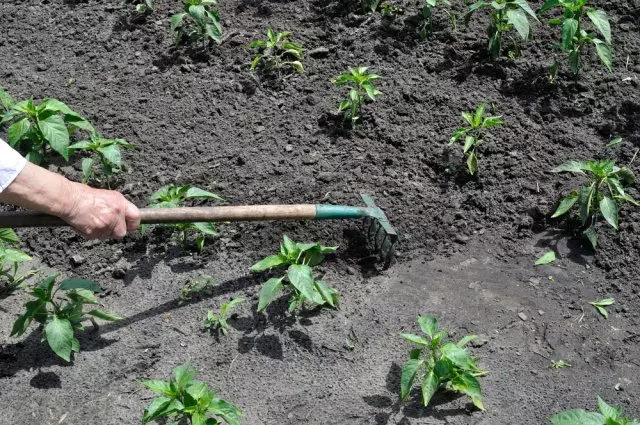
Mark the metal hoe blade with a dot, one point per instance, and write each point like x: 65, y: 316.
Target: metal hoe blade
x: 380, y: 234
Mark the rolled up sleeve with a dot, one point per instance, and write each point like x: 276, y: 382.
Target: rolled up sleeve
x: 11, y: 164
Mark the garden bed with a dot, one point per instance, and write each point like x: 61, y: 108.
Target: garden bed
x: 467, y: 245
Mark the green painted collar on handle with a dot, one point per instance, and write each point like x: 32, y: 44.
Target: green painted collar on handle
x: 338, y: 212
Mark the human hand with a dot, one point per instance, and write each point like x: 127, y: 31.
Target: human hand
x: 100, y: 214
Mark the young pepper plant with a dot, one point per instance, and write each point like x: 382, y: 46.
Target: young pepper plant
x: 197, y: 21
x: 38, y: 127
x: 505, y: 15
x: 426, y: 13
x: 276, y: 53
x: 475, y: 134
x: 11, y: 258
x: 144, y: 6
x: 440, y: 364
x: 360, y: 83
x: 186, y: 400
x: 109, y: 155
x: 173, y: 196
x: 218, y: 322
x: 574, y: 34
x: 299, y: 258
x: 60, y: 318
x: 600, y: 196
x: 608, y: 415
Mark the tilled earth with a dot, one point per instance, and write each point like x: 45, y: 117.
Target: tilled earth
x: 467, y: 245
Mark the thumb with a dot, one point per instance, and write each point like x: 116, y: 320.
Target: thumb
x: 132, y: 216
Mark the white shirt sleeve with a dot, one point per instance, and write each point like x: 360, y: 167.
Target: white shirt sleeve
x: 11, y: 164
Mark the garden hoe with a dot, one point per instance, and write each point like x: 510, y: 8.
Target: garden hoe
x: 381, y: 236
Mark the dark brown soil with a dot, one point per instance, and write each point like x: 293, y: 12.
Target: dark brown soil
x: 467, y: 245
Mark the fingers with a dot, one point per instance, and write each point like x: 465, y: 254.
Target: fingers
x: 132, y: 217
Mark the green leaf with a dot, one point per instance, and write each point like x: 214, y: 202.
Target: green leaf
x: 614, y: 142
x: 77, y: 283
x: 609, y: 210
x: 415, y: 339
x: 472, y: 163
x: 161, y: 407
x: 197, y: 193
x: 604, y: 53
x: 428, y: 325
x: 548, y: 5
x: 59, y: 336
x: 572, y: 167
x: 577, y: 417
x: 17, y: 130
x: 103, y: 315
x: 407, y: 377
x: 9, y: 236
x: 325, y: 292
x: 227, y: 411
x: 584, y: 201
x: 111, y: 154
x: 574, y: 61
x: 255, y: 62
x: 55, y: 132
x: 11, y: 255
x: 36, y: 309
x: 566, y: 204
x: 601, y: 22
x: 82, y: 295
x: 525, y: 6
x: 87, y: 170
x: 547, y: 258
x: 288, y: 246
x: 609, y: 412
x: 518, y: 19
x: 6, y: 101
x: 458, y: 134
x: 591, y: 234
x: 205, y: 228
x: 184, y: 375
x: 176, y: 21
x: 600, y: 306
x: 270, y: 262
x: 467, y: 339
x: 429, y: 387
x: 268, y: 292
x: 569, y: 29
x: 469, y: 385
x: 469, y: 142
x: 458, y: 356
x: 301, y: 277
x: 159, y: 387
x: 76, y: 120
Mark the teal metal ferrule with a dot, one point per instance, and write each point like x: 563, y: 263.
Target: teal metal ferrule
x: 333, y: 212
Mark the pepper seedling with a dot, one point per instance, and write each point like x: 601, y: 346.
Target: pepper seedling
x: 36, y: 128
x: 197, y: 21
x: 440, y: 364
x: 427, y: 12
x: 505, y: 15
x: 360, y: 84
x: 599, y: 197
x: 575, y: 32
x: 109, y: 155
x: 144, y: 6
x: 173, y: 196
x: 187, y: 400
x: 11, y: 258
x: 61, y: 318
x: 474, y: 135
x: 608, y: 415
x: 276, y: 53
x: 299, y: 258
x: 219, y: 321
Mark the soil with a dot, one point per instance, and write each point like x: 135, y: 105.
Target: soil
x: 467, y: 245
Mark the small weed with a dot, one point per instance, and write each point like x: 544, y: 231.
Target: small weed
x: 600, y: 196
x: 475, y: 134
x: 11, y: 258
x: 360, y: 83
x: 186, y: 400
x: 575, y: 35
x: 173, y: 196
x: 559, y: 364
x: 276, y: 53
x: 601, y: 306
x: 197, y: 21
x: 196, y: 288
x: 219, y: 321
x: 143, y: 6
x: 608, y: 415
x: 505, y: 15
x: 109, y: 155
x: 299, y: 258
x: 60, y: 318
x: 439, y: 363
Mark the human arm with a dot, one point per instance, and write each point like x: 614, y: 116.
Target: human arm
x: 94, y: 213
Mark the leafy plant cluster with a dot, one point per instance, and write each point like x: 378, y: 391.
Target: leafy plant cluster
x: 61, y: 317
x: 174, y: 196
x: 198, y: 21
x: 438, y: 363
x: 276, y: 53
x: 37, y: 129
x: 299, y: 258
x: 184, y: 399
x: 11, y: 258
x: 360, y: 85
x: 608, y: 415
x: 218, y: 322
